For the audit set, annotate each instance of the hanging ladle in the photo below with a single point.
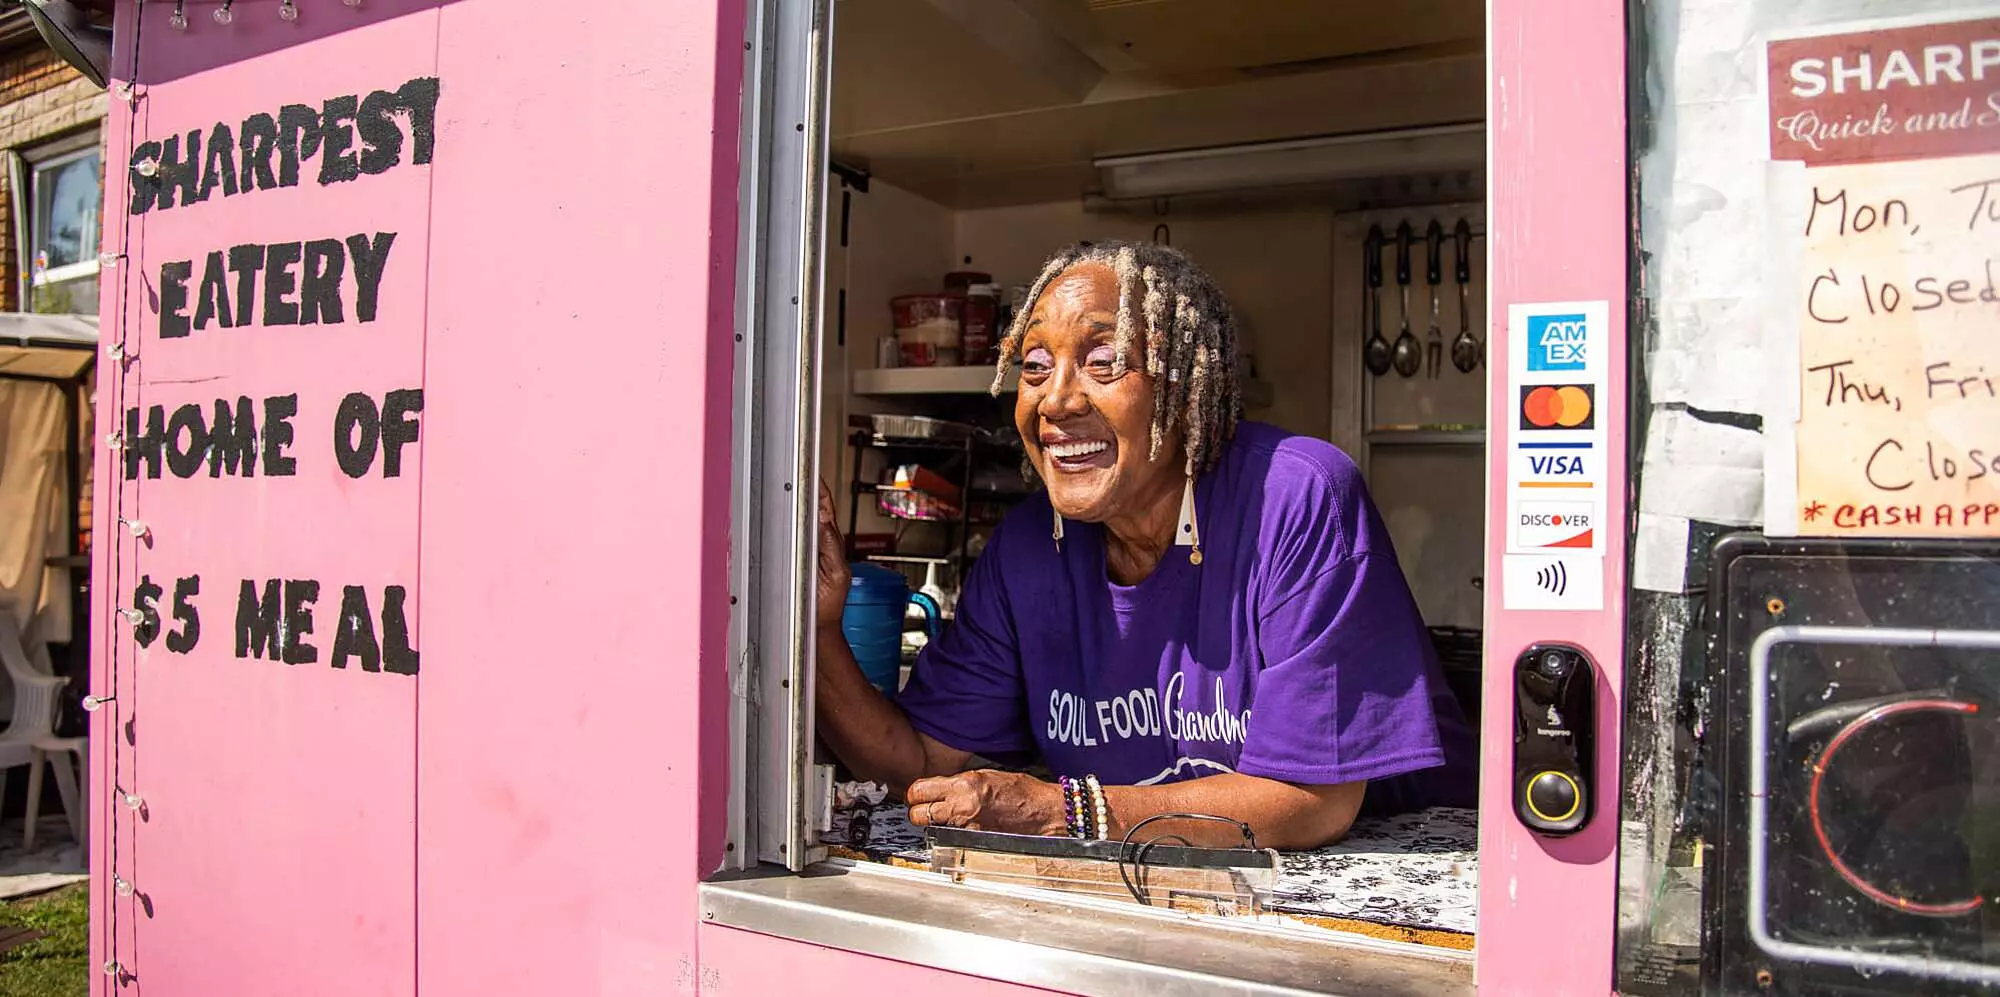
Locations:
(1434, 274)
(1374, 354)
(1467, 352)
(1407, 356)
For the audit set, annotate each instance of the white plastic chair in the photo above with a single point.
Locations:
(30, 739)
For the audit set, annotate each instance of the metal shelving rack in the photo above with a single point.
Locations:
(965, 454)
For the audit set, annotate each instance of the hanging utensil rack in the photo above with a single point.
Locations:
(1375, 433)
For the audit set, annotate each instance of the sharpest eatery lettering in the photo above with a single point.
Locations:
(1875, 96)
(335, 276)
(327, 279)
(352, 136)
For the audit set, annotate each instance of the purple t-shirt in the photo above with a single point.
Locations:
(1294, 651)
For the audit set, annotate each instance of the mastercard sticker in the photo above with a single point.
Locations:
(1558, 407)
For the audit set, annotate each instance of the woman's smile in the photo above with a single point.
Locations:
(1079, 454)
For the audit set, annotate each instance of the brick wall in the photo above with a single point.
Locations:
(41, 98)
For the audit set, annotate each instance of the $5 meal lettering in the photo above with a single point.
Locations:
(275, 621)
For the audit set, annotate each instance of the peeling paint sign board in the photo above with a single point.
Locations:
(1558, 463)
(1889, 136)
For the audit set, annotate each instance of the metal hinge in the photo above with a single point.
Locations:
(822, 797)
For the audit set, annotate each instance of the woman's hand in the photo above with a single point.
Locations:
(834, 575)
(988, 800)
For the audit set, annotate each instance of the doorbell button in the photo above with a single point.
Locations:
(1555, 726)
(1554, 797)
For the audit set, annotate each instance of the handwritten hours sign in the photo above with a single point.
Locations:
(303, 283)
(1898, 432)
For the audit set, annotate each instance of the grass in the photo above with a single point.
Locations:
(55, 965)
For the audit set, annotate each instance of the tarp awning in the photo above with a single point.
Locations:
(46, 347)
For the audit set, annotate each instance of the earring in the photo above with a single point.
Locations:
(1057, 532)
(1188, 534)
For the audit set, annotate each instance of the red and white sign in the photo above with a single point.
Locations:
(1555, 526)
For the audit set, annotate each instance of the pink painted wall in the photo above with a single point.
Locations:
(530, 812)
(1556, 176)
(572, 770)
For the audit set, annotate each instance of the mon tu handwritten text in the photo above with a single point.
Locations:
(1835, 298)
(1861, 374)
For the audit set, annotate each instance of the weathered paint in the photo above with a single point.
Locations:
(1557, 227)
(529, 813)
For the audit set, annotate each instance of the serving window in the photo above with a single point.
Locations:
(960, 153)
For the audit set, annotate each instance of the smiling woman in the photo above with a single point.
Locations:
(1214, 620)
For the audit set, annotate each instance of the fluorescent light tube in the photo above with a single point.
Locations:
(1302, 161)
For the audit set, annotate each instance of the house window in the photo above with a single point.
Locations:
(65, 194)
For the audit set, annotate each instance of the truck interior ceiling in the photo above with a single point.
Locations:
(1325, 163)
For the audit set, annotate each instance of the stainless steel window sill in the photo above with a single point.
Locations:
(1069, 947)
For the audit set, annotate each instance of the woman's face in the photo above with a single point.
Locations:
(1086, 427)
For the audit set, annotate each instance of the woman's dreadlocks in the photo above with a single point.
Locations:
(1189, 345)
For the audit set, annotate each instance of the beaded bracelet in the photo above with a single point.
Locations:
(1099, 811)
(1073, 807)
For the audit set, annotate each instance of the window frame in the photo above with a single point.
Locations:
(778, 797)
(29, 165)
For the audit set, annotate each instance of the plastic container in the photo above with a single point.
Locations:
(982, 314)
(958, 281)
(873, 622)
(928, 328)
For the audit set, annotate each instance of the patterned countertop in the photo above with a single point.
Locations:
(1417, 870)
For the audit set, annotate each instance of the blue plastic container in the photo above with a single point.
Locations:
(873, 621)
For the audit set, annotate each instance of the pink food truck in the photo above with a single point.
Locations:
(565, 483)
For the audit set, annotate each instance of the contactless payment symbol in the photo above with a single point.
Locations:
(1554, 525)
(1553, 579)
(1558, 406)
(1558, 342)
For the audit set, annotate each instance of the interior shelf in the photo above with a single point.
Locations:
(929, 381)
(1426, 437)
(975, 494)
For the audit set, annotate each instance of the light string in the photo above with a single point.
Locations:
(122, 389)
(225, 15)
(121, 355)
